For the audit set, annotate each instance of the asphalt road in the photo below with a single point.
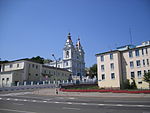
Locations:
(26, 102)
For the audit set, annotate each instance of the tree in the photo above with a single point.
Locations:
(93, 71)
(133, 84)
(37, 59)
(146, 78)
(127, 84)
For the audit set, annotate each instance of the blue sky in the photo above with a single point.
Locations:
(39, 27)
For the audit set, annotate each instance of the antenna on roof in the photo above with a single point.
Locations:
(130, 35)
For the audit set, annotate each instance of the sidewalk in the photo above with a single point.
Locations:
(52, 92)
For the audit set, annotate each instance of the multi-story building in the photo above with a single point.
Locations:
(25, 70)
(73, 58)
(127, 62)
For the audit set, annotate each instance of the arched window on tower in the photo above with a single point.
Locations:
(67, 54)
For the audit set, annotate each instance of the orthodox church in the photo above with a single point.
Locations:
(73, 58)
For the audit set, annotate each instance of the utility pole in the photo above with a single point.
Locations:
(130, 35)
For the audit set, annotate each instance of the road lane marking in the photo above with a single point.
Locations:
(71, 108)
(24, 100)
(119, 105)
(77, 103)
(0, 98)
(69, 102)
(71, 98)
(14, 110)
(56, 102)
(8, 99)
(44, 101)
(84, 103)
(34, 101)
(18, 104)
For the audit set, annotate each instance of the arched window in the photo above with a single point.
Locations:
(67, 54)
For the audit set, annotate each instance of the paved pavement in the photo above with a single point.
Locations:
(52, 91)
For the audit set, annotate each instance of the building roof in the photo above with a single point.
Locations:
(51, 67)
(117, 50)
(24, 59)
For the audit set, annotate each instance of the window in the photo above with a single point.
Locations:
(112, 75)
(103, 76)
(102, 58)
(138, 63)
(132, 75)
(143, 62)
(102, 67)
(112, 66)
(146, 50)
(144, 71)
(140, 82)
(10, 65)
(131, 64)
(148, 62)
(29, 74)
(44, 71)
(17, 65)
(36, 74)
(139, 74)
(58, 66)
(36, 66)
(67, 54)
(142, 51)
(137, 52)
(7, 79)
(49, 72)
(130, 54)
(3, 79)
(111, 56)
(33, 65)
(66, 63)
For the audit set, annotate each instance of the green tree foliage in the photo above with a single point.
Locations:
(93, 71)
(133, 84)
(37, 59)
(146, 78)
(127, 84)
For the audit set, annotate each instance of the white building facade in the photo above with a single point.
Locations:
(73, 58)
(27, 71)
(127, 62)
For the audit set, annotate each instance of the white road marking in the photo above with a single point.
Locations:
(8, 99)
(119, 105)
(71, 98)
(56, 102)
(16, 94)
(75, 103)
(14, 110)
(69, 102)
(24, 100)
(84, 103)
(18, 104)
(34, 101)
(0, 98)
(101, 104)
(44, 101)
(70, 108)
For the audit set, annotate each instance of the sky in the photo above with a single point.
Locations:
(30, 28)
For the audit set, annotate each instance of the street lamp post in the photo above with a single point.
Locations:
(56, 68)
